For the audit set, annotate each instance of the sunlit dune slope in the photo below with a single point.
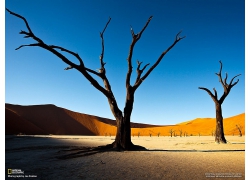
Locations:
(50, 119)
(196, 127)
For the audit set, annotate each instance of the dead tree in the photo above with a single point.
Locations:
(219, 132)
(175, 134)
(212, 132)
(181, 133)
(239, 129)
(158, 134)
(123, 134)
(171, 131)
(185, 134)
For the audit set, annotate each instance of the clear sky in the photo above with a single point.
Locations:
(214, 30)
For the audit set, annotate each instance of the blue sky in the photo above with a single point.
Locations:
(214, 30)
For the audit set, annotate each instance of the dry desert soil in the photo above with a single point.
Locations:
(59, 157)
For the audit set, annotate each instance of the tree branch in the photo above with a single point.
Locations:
(210, 93)
(215, 94)
(225, 80)
(35, 44)
(233, 80)
(70, 52)
(140, 71)
(30, 34)
(177, 39)
(226, 87)
(102, 53)
(81, 68)
(135, 38)
(219, 75)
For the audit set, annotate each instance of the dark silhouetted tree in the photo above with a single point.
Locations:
(180, 132)
(239, 127)
(219, 132)
(123, 134)
(158, 134)
(171, 131)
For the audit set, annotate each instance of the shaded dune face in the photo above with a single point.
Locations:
(15, 124)
(50, 119)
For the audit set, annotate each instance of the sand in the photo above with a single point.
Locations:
(166, 158)
(50, 119)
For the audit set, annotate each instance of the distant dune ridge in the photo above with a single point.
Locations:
(50, 119)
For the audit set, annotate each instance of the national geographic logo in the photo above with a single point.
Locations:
(15, 171)
(18, 173)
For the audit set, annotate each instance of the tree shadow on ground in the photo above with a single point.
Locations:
(87, 151)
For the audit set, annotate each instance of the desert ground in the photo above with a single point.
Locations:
(71, 157)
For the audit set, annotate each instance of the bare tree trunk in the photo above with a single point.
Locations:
(219, 133)
(123, 132)
(239, 129)
(123, 135)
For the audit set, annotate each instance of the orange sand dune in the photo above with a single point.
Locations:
(50, 119)
(196, 127)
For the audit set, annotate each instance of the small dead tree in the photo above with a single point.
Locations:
(150, 134)
(171, 131)
(239, 127)
(123, 133)
(158, 134)
(175, 134)
(138, 134)
(212, 132)
(219, 132)
(180, 130)
(184, 134)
